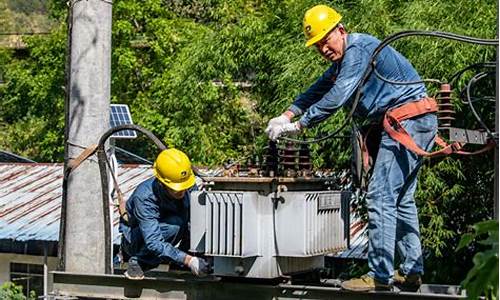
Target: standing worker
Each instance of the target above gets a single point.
(158, 218)
(392, 213)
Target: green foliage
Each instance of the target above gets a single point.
(19, 16)
(179, 65)
(11, 291)
(170, 85)
(482, 279)
(448, 204)
(32, 109)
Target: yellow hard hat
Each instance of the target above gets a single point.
(173, 168)
(318, 21)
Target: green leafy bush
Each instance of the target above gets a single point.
(178, 65)
(482, 279)
(11, 291)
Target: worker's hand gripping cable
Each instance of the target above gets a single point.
(275, 131)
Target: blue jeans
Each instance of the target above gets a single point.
(392, 213)
(135, 248)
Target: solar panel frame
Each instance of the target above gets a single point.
(120, 115)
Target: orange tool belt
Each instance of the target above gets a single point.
(409, 110)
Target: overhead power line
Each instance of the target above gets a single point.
(23, 33)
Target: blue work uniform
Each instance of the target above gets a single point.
(392, 213)
(156, 223)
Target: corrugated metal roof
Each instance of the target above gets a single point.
(31, 194)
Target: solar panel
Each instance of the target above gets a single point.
(120, 115)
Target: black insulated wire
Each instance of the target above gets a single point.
(473, 80)
(317, 139)
(379, 76)
(476, 66)
(470, 98)
(67, 77)
(445, 35)
(369, 69)
(103, 163)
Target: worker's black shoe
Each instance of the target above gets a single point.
(134, 270)
(410, 282)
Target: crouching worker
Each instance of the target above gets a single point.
(158, 218)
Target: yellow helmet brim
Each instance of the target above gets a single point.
(181, 186)
(319, 37)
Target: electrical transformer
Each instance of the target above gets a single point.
(266, 227)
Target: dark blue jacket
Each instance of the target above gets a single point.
(148, 208)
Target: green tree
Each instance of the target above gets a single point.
(182, 66)
(32, 109)
(482, 279)
(11, 291)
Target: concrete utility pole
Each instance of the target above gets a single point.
(87, 118)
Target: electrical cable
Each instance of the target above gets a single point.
(24, 33)
(457, 75)
(103, 163)
(369, 69)
(318, 138)
(485, 98)
(474, 79)
(403, 82)
(276, 199)
(463, 95)
(477, 99)
(445, 35)
(61, 247)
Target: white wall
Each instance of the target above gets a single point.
(7, 258)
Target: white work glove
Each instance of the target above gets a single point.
(274, 132)
(199, 266)
(274, 123)
(281, 120)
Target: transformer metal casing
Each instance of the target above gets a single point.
(255, 232)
